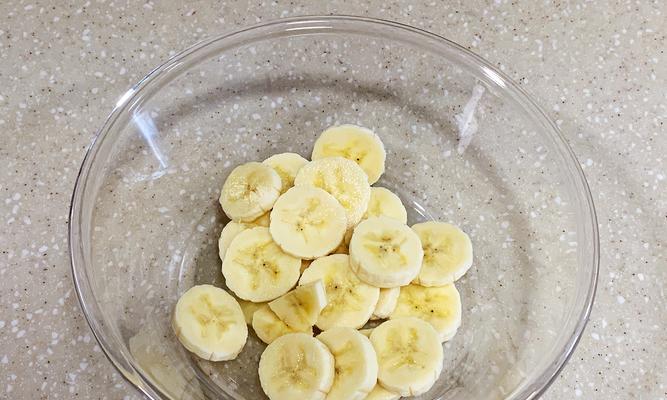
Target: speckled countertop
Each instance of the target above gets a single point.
(599, 69)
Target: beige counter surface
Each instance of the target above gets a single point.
(598, 68)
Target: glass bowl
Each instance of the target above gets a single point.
(465, 144)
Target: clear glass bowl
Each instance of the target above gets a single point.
(465, 144)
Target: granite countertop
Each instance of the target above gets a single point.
(598, 68)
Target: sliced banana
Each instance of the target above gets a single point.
(386, 303)
(409, 355)
(229, 232)
(356, 366)
(249, 308)
(256, 269)
(300, 307)
(268, 327)
(385, 203)
(350, 301)
(380, 393)
(286, 165)
(447, 253)
(296, 366)
(439, 306)
(307, 222)
(385, 253)
(343, 179)
(249, 191)
(209, 322)
(354, 143)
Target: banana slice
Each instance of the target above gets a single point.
(307, 222)
(351, 301)
(386, 303)
(256, 269)
(286, 165)
(300, 308)
(268, 327)
(439, 306)
(355, 143)
(385, 203)
(249, 308)
(229, 232)
(409, 355)
(447, 253)
(380, 393)
(296, 366)
(385, 253)
(343, 179)
(209, 322)
(249, 191)
(356, 366)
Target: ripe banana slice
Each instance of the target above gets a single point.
(209, 322)
(296, 366)
(343, 179)
(409, 355)
(268, 327)
(386, 303)
(249, 191)
(307, 222)
(300, 307)
(249, 308)
(447, 253)
(286, 165)
(385, 203)
(256, 269)
(380, 393)
(385, 253)
(229, 232)
(350, 301)
(356, 366)
(355, 143)
(439, 306)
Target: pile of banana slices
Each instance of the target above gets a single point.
(313, 244)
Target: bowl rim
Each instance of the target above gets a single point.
(532, 390)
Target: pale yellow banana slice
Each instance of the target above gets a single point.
(439, 306)
(296, 366)
(409, 355)
(356, 366)
(343, 179)
(209, 322)
(286, 165)
(386, 303)
(307, 222)
(447, 253)
(355, 143)
(229, 232)
(249, 308)
(268, 327)
(350, 301)
(249, 191)
(385, 253)
(256, 269)
(380, 393)
(385, 203)
(300, 307)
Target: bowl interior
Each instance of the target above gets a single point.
(146, 217)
